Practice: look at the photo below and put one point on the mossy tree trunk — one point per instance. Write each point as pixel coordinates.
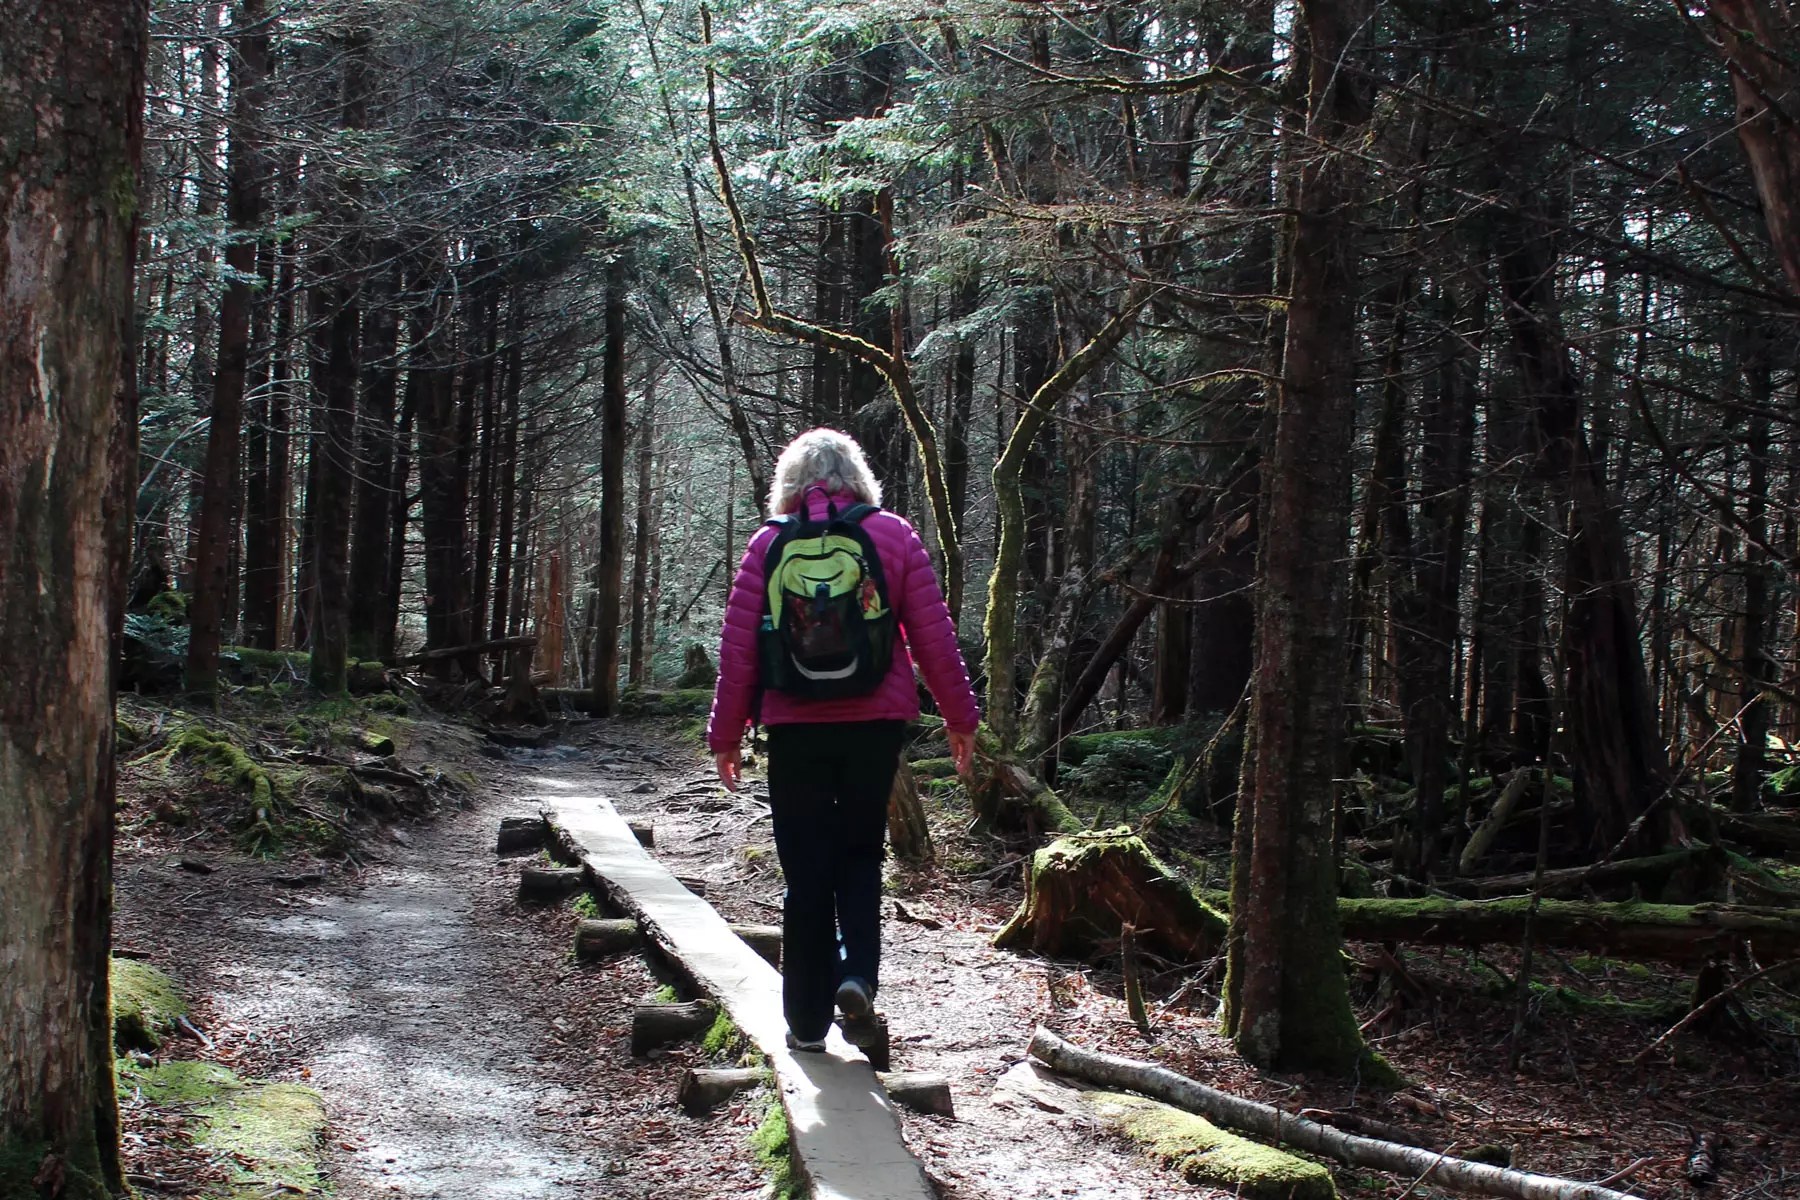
(1287, 1001)
(70, 143)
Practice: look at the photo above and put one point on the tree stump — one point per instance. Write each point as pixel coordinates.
(704, 1089)
(920, 1091)
(1083, 888)
(549, 885)
(764, 939)
(520, 833)
(654, 1025)
(907, 831)
(605, 938)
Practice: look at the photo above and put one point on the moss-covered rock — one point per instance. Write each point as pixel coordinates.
(145, 1004)
(933, 768)
(1205, 1154)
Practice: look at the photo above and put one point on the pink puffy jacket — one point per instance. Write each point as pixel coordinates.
(924, 624)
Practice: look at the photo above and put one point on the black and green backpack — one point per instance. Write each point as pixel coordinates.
(827, 627)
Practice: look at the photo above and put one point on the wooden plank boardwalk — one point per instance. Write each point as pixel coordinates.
(844, 1134)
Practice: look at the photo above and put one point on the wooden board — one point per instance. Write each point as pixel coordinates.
(844, 1134)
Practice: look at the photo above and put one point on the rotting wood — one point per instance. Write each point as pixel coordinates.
(705, 1088)
(1273, 1125)
(605, 937)
(1482, 840)
(1654, 869)
(921, 1091)
(844, 1135)
(549, 885)
(654, 1025)
(520, 833)
(764, 939)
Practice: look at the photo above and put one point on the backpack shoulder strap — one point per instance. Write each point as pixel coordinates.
(856, 514)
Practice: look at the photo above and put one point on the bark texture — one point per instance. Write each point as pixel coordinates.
(70, 144)
(1287, 1001)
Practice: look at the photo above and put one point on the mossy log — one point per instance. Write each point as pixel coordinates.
(907, 831)
(1774, 834)
(520, 833)
(1271, 1124)
(1008, 797)
(654, 1025)
(603, 938)
(1188, 1144)
(1678, 933)
(1687, 871)
(764, 939)
(549, 885)
(1082, 889)
(921, 1091)
(704, 1089)
(1482, 840)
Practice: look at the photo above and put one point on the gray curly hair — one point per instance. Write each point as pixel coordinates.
(821, 458)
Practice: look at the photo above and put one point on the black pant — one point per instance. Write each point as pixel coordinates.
(828, 787)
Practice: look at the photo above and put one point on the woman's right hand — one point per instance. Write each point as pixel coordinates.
(962, 751)
(729, 766)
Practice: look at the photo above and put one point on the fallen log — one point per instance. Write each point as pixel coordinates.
(1766, 833)
(654, 1025)
(921, 1091)
(522, 642)
(1674, 933)
(1656, 869)
(1482, 840)
(1271, 1124)
(764, 939)
(549, 885)
(1082, 889)
(595, 939)
(1193, 1147)
(520, 833)
(705, 1088)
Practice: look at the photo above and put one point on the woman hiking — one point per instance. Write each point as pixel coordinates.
(833, 604)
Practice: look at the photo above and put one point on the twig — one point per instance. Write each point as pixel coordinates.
(1413, 1186)
(1624, 1173)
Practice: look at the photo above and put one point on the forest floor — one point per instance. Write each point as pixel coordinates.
(460, 1051)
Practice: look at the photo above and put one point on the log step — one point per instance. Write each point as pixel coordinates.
(764, 939)
(549, 885)
(597, 939)
(705, 1088)
(921, 1091)
(654, 1025)
(644, 832)
(870, 1036)
(521, 833)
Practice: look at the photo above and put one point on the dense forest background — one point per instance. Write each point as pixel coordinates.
(1441, 356)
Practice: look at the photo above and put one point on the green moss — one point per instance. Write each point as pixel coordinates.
(268, 1134)
(21, 1160)
(774, 1151)
(1076, 749)
(665, 995)
(586, 907)
(1204, 1153)
(170, 606)
(265, 666)
(1588, 962)
(231, 766)
(934, 768)
(145, 1003)
(723, 1040)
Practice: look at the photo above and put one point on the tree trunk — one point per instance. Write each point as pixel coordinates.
(401, 500)
(371, 536)
(219, 479)
(508, 560)
(1758, 667)
(442, 485)
(640, 547)
(1763, 48)
(68, 450)
(611, 567)
(1618, 756)
(266, 507)
(1287, 1002)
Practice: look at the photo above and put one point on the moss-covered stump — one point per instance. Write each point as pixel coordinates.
(1082, 888)
(1205, 1154)
(1008, 797)
(145, 1005)
(229, 764)
(269, 1135)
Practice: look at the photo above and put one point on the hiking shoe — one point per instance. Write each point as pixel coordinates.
(854, 1000)
(805, 1047)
